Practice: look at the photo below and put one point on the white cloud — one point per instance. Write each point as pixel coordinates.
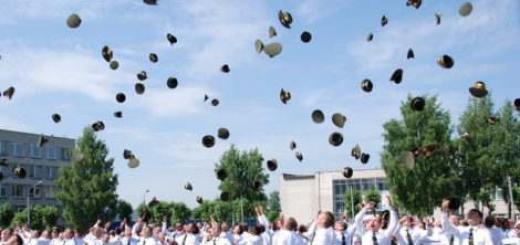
(487, 24)
(183, 100)
(221, 32)
(34, 71)
(314, 10)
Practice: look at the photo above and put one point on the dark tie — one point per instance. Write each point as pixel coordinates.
(470, 237)
(409, 237)
(452, 240)
(184, 239)
(128, 243)
(343, 238)
(215, 241)
(374, 238)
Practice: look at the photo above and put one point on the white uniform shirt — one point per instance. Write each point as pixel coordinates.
(148, 241)
(346, 235)
(227, 235)
(129, 241)
(496, 235)
(250, 239)
(383, 237)
(285, 237)
(481, 235)
(321, 236)
(217, 241)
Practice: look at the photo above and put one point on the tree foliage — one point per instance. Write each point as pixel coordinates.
(124, 210)
(244, 170)
(245, 179)
(488, 152)
(87, 187)
(434, 175)
(273, 206)
(173, 212)
(221, 211)
(372, 195)
(352, 199)
(6, 214)
(42, 217)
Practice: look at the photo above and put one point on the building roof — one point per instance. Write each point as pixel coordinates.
(8, 131)
(296, 176)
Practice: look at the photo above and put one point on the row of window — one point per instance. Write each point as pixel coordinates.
(342, 186)
(22, 191)
(36, 171)
(31, 150)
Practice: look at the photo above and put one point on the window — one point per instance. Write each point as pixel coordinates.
(3, 191)
(38, 170)
(53, 173)
(65, 154)
(52, 153)
(35, 192)
(30, 171)
(17, 190)
(499, 194)
(5, 148)
(49, 193)
(18, 150)
(35, 151)
(44, 174)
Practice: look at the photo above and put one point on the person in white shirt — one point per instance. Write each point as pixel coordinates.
(128, 238)
(321, 231)
(252, 237)
(372, 234)
(214, 236)
(286, 235)
(5, 235)
(344, 234)
(496, 233)
(147, 237)
(410, 233)
(474, 234)
(224, 232)
(238, 230)
(191, 236)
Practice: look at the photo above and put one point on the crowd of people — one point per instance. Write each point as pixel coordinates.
(368, 227)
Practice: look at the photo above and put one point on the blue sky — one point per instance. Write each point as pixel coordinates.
(57, 69)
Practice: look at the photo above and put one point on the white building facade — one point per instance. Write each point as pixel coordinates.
(302, 196)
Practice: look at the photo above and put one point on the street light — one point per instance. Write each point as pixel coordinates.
(29, 201)
(144, 197)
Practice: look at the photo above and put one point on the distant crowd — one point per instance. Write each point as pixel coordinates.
(368, 227)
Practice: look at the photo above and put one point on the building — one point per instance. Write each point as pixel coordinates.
(302, 196)
(41, 164)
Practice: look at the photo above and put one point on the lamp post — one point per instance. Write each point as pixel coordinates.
(144, 196)
(29, 201)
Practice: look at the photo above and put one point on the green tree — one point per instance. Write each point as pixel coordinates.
(20, 218)
(87, 187)
(180, 213)
(49, 215)
(433, 176)
(6, 214)
(124, 210)
(42, 217)
(489, 149)
(245, 178)
(352, 197)
(219, 210)
(478, 158)
(273, 206)
(372, 195)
